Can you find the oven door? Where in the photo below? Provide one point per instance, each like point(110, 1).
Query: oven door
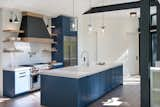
point(35, 82)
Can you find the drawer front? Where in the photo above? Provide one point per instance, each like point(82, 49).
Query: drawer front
point(22, 82)
point(22, 73)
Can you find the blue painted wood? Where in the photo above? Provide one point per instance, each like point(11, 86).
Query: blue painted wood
point(62, 24)
point(59, 92)
point(8, 84)
point(67, 92)
point(58, 56)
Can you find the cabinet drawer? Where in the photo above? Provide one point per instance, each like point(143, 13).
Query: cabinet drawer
point(22, 81)
point(22, 73)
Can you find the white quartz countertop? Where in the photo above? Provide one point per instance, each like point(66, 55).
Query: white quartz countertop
point(155, 68)
point(14, 69)
point(77, 71)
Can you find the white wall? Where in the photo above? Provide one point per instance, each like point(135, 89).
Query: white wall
point(114, 44)
point(1, 77)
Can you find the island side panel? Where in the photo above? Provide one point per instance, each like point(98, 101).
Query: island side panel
point(93, 87)
point(59, 91)
point(116, 76)
point(8, 84)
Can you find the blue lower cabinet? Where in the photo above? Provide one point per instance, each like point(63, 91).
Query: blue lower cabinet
point(59, 91)
point(69, 92)
point(16, 83)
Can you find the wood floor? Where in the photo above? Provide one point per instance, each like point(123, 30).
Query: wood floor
point(128, 95)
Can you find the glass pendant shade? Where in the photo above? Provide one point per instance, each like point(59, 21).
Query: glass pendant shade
point(90, 28)
point(74, 24)
point(16, 20)
point(103, 28)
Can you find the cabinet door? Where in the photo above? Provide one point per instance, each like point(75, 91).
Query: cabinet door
point(22, 81)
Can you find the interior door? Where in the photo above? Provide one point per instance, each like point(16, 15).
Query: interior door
point(133, 54)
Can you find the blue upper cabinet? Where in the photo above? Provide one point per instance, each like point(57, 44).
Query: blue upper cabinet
point(62, 28)
point(64, 23)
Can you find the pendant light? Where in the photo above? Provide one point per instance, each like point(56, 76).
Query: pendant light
point(74, 20)
point(103, 23)
point(16, 19)
point(90, 28)
point(11, 17)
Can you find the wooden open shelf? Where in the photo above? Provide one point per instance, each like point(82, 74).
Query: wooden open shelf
point(37, 40)
point(13, 31)
point(11, 50)
point(52, 50)
point(8, 40)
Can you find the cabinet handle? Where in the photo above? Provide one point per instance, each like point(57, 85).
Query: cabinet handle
point(22, 73)
point(22, 76)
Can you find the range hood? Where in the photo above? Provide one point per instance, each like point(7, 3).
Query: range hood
point(34, 28)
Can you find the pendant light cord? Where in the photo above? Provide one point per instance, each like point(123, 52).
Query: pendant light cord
point(73, 9)
point(103, 15)
point(90, 17)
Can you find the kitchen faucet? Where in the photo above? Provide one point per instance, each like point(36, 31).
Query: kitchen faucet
point(85, 58)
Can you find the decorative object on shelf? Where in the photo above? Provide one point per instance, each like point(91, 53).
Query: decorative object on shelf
point(54, 43)
point(90, 27)
point(13, 31)
point(74, 20)
point(103, 24)
point(52, 62)
point(53, 34)
point(48, 24)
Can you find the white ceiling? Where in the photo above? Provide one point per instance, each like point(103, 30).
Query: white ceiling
point(58, 7)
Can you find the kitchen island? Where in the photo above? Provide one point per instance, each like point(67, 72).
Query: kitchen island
point(79, 86)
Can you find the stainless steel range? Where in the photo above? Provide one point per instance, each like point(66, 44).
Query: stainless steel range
point(35, 77)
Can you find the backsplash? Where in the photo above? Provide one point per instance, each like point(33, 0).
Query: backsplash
point(31, 52)
point(24, 57)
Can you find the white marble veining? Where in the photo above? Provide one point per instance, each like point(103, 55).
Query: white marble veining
point(78, 71)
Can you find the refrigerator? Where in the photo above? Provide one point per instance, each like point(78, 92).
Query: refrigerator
point(70, 50)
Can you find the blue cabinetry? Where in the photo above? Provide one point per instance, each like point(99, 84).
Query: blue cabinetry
point(62, 29)
point(72, 92)
point(16, 82)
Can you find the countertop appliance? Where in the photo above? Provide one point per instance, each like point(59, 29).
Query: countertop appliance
point(35, 77)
